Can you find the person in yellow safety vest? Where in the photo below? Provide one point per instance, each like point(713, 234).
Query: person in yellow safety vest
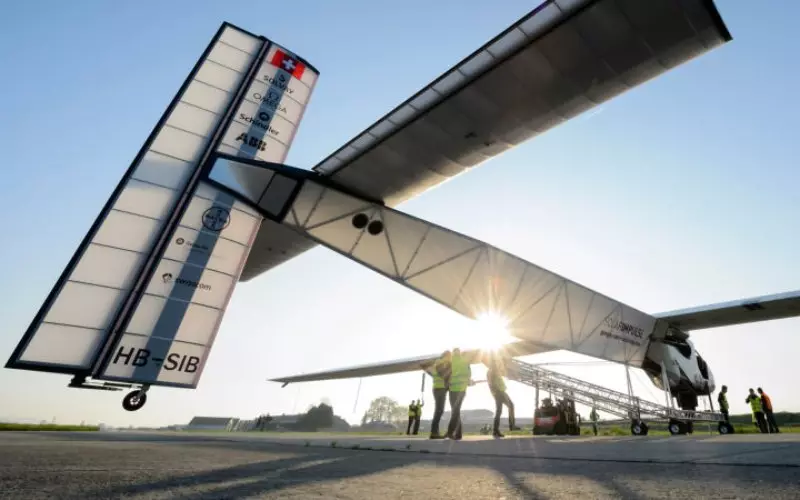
point(460, 378)
point(757, 409)
point(769, 417)
point(722, 399)
point(594, 417)
point(417, 416)
point(497, 386)
point(440, 371)
point(412, 415)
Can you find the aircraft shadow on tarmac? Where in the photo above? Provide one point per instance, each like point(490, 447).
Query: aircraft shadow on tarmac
point(319, 465)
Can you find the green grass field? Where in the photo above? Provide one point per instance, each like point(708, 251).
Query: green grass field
point(47, 427)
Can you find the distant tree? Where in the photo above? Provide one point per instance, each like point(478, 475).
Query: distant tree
point(384, 409)
point(317, 417)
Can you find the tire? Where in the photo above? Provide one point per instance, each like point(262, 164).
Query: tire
point(134, 400)
point(725, 428)
point(676, 428)
point(639, 429)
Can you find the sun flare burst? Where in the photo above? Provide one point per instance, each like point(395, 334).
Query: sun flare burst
point(490, 331)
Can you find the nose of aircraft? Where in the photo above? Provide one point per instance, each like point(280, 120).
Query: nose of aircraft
point(712, 386)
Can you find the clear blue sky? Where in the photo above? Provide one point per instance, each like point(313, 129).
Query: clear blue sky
point(679, 193)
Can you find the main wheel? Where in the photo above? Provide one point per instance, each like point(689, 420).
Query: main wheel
point(639, 429)
point(725, 428)
point(676, 428)
point(134, 400)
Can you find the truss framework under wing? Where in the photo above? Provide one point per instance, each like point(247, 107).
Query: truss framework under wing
point(462, 273)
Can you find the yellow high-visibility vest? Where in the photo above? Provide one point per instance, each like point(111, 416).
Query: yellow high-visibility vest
point(755, 404)
point(438, 380)
point(461, 372)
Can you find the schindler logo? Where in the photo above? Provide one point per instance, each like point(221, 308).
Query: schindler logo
point(258, 123)
point(169, 278)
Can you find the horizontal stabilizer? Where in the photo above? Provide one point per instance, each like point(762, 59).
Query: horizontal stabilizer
point(736, 312)
point(411, 364)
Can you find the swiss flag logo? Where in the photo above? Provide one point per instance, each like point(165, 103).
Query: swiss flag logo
point(288, 63)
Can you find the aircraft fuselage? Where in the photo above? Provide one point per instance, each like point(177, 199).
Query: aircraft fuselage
point(687, 373)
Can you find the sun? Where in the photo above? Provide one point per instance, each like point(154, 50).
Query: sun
point(490, 331)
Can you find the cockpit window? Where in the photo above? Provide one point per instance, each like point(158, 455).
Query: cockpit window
point(682, 347)
point(703, 366)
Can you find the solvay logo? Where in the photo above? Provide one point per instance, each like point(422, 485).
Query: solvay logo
point(166, 277)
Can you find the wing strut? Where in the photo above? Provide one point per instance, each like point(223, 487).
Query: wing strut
point(358, 393)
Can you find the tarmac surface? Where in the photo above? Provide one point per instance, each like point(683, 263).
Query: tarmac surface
point(68, 466)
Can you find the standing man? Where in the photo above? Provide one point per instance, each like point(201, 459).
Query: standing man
point(417, 416)
point(757, 409)
point(440, 371)
point(412, 415)
point(460, 375)
point(594, 417)
point(494, 376)
point(766, 404)
point(722, 399)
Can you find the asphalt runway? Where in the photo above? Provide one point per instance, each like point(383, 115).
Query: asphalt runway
point(76, 466)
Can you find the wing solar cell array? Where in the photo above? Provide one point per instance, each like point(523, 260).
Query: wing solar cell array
point(558, 61)
point(555, 63)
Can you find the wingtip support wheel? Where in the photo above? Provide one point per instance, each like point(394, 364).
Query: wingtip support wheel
point(134, 400)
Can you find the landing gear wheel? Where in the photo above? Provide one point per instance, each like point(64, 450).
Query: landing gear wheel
point(639, 429)
point(676, 427)
point(725, 428)
point(134, 400)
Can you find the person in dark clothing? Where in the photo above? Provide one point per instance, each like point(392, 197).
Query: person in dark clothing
point(766, 404)
point(417, 416)
point(722, 399)
point(494, 376)
point(412, 416)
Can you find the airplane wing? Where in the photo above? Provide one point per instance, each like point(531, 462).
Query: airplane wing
point(513, 349)
point(764, 308)
point(563, 58)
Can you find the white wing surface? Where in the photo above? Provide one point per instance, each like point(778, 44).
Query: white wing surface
point(75, 322)
point(763, 308)
point(411, 364)
point(179, 314)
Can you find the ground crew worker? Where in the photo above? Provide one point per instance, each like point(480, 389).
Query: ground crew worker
point(417, 416)
point(758, 410)
point(412, 415)
point(722, 399)
point(461, 373)
point(594, 417)
point(440, 371)
point(766, 403)
point(494, 376)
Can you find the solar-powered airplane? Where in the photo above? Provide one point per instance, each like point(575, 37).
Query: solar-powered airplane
point(208, 202)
